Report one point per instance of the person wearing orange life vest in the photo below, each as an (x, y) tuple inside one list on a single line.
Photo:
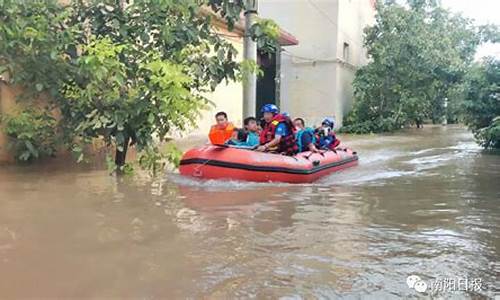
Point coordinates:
[(278, 132), (222, 131)]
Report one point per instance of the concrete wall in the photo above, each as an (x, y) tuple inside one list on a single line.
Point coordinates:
[(307, 70), (315, 80), (350, 32)]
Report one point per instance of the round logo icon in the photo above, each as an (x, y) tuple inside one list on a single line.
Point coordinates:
[(420, 286), (411, 280), (415, 282)]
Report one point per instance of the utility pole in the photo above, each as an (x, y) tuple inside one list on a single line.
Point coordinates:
[(250, 53)]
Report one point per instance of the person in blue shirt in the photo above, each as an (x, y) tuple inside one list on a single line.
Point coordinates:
[(305, 136), (252, 130), (248, 137), (281, 130), (278, 132)]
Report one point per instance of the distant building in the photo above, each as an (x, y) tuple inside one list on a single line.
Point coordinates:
[(316, 75)]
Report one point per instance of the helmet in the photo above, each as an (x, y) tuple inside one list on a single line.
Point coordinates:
[(270, 108), (330, 122)]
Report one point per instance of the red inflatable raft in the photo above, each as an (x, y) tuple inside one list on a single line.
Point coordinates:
[(217, 162)]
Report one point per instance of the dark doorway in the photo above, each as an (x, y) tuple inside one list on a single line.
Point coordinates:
[(266, 84)]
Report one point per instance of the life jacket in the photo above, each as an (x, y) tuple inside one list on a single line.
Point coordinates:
[(287, 143), (299, 135), (329, 142), (218, 136)]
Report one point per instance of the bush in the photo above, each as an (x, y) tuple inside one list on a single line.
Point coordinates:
[(489, 137), (32, 134)]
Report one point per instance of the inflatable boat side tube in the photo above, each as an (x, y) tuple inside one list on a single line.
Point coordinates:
[(247, 167)]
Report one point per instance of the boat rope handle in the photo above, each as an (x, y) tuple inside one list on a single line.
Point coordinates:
[(197, 170)]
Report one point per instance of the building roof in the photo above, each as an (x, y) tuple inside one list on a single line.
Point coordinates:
[(287, 39)]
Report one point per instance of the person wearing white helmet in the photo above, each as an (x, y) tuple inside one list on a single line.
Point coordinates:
[(326, 138)]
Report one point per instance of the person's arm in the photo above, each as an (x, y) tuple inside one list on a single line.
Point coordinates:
[(274, 142), (313, 148), (307, 142), (271, 144), (281, 130)]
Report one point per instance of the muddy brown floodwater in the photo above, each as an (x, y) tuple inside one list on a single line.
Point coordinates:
[(421, 202)]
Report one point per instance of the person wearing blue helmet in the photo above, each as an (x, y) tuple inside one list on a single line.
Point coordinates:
[(278, 132), (326, 138)]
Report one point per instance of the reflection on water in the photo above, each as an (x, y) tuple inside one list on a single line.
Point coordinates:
[(420, 202)]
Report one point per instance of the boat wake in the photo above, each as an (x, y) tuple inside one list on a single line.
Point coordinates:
[(217, 185)]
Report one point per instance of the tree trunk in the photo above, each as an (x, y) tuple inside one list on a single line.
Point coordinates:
[(419, 123), (121, 155)]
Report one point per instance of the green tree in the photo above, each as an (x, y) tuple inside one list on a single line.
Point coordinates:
[(481, 108), (127, 71), (419, 55)]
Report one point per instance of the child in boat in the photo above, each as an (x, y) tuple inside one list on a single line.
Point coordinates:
[(252, 130), (222, 131), (326, 139), (249, 137)]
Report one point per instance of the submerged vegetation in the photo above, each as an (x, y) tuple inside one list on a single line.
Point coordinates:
[(129, 73)]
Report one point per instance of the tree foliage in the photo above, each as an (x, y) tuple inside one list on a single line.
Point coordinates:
[(127, 71), (481, 108), (419, 55)]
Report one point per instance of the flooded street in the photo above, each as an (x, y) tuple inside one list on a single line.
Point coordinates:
[(421, 202)]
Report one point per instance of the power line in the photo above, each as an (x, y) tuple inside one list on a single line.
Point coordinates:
[(303, 57), (313, 61)]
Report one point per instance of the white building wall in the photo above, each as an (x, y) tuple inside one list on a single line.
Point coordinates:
[(315, 79), (307, 70), (351, 33)]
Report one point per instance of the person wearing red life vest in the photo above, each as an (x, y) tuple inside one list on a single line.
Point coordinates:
[(278, 132)]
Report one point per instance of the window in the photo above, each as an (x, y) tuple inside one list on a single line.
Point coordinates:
[(346, 52)]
